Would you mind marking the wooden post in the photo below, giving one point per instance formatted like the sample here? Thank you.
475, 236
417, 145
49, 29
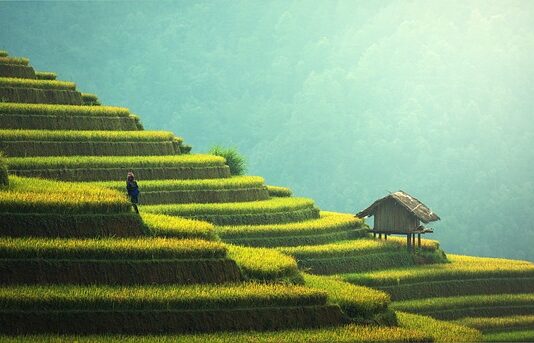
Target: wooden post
385, 236
413, 242
419, 240
374, 234
379, 236
408, 241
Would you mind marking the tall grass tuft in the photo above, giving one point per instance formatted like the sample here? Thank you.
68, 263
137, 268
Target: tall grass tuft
234, 159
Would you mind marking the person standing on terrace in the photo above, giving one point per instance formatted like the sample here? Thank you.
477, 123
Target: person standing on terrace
133, 190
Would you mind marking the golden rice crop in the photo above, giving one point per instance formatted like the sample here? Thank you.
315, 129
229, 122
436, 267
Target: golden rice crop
510, 336
68, 162
265, 206
72, 297
429, 305
486, 324
277, 191
110, 248
264, 264
82, 136
32, 83
167, 226
45, 75
235, 182
63, 110
441, 331
356, 301
44, 196
352, 333
14, 60
328, 222
461, 267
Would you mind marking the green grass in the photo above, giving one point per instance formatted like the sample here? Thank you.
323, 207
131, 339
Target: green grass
25, 195
327, 223
160, 225
460, 268
441, 331
14, 60
109, 248
267, 206
355, 301
63, 110
3, 53
510, 336
345, 334
89, 97
277, 191
172, 297
86, 136
490, 324
235, 182
234, 159
65, 162
41, 84
464, 306
45, 75
265, 264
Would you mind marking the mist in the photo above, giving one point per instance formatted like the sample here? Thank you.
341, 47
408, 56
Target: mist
342, 101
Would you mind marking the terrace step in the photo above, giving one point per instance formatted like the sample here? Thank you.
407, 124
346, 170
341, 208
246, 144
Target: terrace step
330, 227
451, 308
158, 309
47, 148
40, 96
273, 211
17, 71
62, 122
115, 261
361, 255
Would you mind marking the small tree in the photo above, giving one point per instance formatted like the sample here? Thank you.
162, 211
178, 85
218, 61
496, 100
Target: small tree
234, 159
4, 180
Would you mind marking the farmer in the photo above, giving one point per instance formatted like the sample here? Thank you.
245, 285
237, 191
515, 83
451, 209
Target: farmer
133, 190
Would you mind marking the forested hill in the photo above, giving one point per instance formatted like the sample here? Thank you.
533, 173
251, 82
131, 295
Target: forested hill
342, 101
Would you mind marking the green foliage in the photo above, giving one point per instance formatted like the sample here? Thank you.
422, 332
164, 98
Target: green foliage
171, 297
14, 60
26, 195
89, 97
63, 110
87, 136
4, 178
265, 264
234, 159
441, 331
3, 53
67, 162
40, 84
356, 301
277, 191
160, 225
109, 248
45, 75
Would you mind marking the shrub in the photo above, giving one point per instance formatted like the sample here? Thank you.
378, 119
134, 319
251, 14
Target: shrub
45, 75
277, 191
234, 159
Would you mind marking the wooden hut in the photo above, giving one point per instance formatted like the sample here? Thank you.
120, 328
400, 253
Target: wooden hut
400, 213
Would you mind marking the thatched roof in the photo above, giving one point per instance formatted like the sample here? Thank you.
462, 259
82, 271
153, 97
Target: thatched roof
411, 204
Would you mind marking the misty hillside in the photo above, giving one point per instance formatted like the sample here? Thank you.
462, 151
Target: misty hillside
342, 101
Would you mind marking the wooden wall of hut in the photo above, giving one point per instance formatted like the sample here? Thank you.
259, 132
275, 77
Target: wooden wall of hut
393, 217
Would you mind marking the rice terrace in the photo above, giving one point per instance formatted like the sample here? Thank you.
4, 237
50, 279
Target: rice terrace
214, 254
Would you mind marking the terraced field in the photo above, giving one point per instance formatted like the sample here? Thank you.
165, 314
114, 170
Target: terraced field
210, 251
